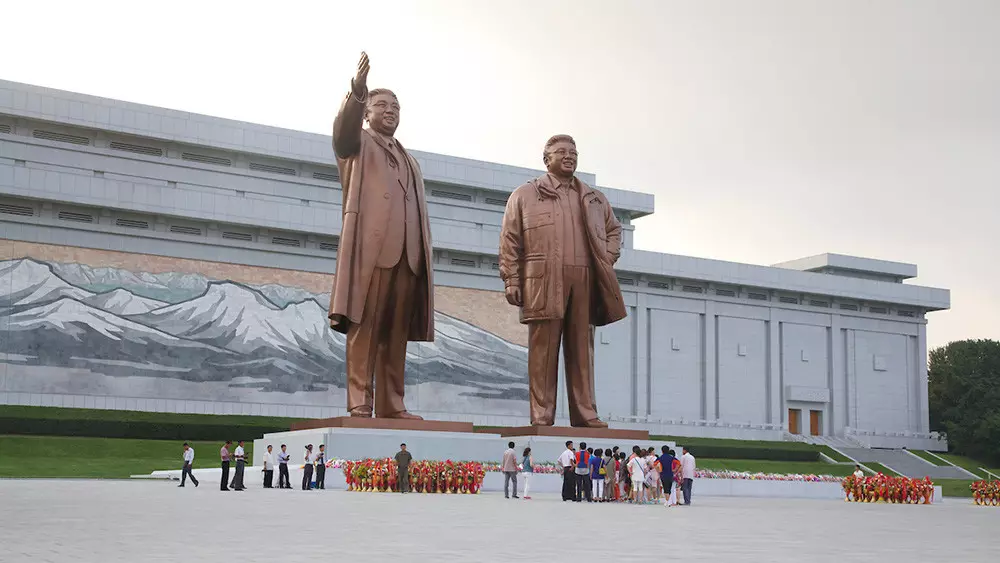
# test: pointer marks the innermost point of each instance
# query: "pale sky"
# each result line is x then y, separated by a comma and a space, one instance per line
767, 130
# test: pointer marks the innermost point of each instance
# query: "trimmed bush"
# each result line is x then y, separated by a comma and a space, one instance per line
51, 421
736, 452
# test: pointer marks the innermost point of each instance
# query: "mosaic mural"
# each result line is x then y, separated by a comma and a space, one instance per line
99, 322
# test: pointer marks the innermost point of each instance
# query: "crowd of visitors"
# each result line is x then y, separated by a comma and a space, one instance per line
591, 475
610, 475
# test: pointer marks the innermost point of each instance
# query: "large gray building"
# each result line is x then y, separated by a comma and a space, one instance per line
154, 259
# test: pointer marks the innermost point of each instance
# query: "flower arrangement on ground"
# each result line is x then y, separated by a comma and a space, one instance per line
884, 488
381, 475
986, 493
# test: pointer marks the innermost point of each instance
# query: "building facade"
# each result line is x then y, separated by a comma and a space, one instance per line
153, 259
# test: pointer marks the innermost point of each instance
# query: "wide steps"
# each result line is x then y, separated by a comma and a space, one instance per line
905, 463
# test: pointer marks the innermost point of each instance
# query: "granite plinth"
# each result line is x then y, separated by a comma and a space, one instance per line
383, 424
575, 432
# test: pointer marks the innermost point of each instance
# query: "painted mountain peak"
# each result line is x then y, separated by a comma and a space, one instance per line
185, 326
24, 282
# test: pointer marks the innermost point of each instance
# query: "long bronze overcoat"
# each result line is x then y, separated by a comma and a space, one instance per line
529, 258
363, 158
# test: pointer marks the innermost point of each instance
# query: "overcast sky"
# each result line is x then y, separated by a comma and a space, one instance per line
767, 130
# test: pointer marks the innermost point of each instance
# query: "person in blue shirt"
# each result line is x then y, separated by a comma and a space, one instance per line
596, 477
666, 470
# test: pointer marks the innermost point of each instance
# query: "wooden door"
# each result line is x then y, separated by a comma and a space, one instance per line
814, 427
793, 421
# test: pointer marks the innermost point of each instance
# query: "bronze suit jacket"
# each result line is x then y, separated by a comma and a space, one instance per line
527, 259
363, 158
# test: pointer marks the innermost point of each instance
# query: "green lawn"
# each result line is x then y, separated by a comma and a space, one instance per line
955, 487
119, 458
835, 455
780, 467
970, 465
99, 458
695, 442
929, 458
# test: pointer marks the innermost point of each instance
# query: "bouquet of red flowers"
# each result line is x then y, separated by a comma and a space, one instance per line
883, 488
425, 476
986, 493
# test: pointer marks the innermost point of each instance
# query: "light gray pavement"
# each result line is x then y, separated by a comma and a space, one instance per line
110, 521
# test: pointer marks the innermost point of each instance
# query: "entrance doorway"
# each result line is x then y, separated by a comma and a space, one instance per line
815, 418
793, 421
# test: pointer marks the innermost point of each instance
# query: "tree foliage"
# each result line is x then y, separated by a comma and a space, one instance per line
964, 396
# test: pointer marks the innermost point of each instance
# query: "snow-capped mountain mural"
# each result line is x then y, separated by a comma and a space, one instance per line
271, 339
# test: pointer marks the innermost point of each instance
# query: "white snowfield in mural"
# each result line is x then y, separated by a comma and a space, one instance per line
121, 302
119, 326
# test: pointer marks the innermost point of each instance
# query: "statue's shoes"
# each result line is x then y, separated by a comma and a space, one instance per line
362, 413
595, 423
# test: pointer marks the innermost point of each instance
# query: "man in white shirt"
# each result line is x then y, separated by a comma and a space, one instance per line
320, 461
567, 460
307, 469
283, 456
241, 461
188, 460
687, 474
268, 468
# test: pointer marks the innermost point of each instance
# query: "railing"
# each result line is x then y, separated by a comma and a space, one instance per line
695, 423
848, 431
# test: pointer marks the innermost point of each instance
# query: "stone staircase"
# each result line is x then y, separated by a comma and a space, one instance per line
835, 442
905, 463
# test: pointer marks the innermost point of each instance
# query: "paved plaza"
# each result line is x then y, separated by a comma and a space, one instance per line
108, 521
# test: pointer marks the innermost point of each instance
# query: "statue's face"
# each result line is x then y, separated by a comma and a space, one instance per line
383, 114
561, 159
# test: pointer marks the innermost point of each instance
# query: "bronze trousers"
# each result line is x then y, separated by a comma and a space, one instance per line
376, 347
575, 334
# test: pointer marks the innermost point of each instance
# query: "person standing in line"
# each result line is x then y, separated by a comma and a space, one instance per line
677, 478
188, 460
582, 474
637, 473
597, 475
307, 469
652, 476
224, 454
666, 461
527, 468
624, 477
321, 467
241, 461
567, 460
687, 473
610, 476
403, 459
268, 468
283, 456
509, 468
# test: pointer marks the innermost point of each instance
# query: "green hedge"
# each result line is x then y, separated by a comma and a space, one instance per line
51, 421
737, 452
720, 448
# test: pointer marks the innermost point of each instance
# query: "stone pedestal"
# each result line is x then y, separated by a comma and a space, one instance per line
354, 438
383, 424
570, 432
